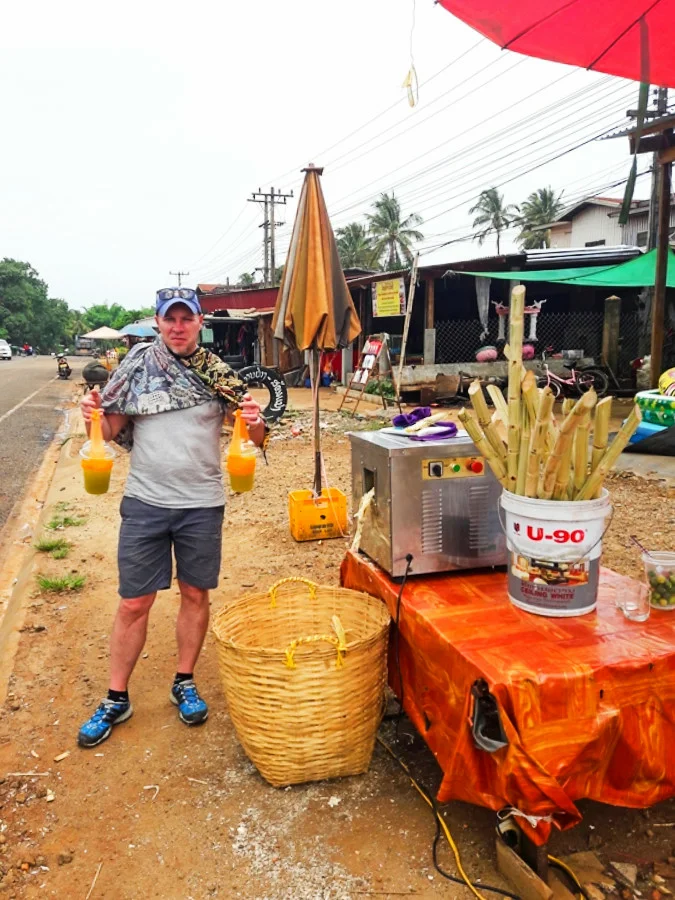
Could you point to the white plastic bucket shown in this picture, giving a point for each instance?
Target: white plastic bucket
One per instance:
(554, 552)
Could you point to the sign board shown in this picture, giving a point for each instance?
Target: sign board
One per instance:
(389, 297)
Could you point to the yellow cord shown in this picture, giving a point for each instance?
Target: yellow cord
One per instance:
(566, 868)
(450, 840)
(445, 828)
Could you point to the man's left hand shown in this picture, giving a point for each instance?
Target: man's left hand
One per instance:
(250, 411)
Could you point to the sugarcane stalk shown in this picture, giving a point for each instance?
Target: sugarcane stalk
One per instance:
(603, 413)
(563, 446)
(499, 403)
(500, 426)
(581, 452)
(567, 406)
(473, 430)
(537, 441)
(564, 472)
(516, 323)
(528, 386)
(593, 484)
(523, 451)
(477, 399)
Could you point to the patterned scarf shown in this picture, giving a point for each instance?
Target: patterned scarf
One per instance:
(150, 380)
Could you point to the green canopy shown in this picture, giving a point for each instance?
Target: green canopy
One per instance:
(636, 273)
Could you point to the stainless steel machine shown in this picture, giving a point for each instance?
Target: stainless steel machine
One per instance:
(436, 500)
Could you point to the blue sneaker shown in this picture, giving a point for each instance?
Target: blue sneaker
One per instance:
(191, 708)
(98, 728)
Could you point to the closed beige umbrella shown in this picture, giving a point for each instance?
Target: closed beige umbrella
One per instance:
(314, 309)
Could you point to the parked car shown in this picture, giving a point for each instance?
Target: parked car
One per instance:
(5, 351)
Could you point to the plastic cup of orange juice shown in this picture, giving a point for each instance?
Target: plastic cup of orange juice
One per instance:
(241, 469)
(241, 456)
(97, 469)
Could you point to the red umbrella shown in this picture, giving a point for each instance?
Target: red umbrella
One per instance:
(630, 38)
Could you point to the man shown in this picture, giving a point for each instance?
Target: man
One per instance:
(166, 403)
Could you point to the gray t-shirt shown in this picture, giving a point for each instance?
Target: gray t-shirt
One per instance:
(176, 458)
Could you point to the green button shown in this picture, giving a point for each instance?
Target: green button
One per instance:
(456, 468)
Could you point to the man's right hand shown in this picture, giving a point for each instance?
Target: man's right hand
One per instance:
(90, 401)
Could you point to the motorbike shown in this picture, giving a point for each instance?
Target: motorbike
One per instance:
(63, 367)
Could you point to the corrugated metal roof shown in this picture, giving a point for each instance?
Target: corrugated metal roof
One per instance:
(655, 126)
(590, 255)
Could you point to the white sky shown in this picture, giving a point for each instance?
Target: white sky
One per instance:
(133, 133)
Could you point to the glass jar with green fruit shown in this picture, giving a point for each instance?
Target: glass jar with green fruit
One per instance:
(660, 569)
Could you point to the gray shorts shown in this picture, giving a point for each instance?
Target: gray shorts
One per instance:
(147, 534)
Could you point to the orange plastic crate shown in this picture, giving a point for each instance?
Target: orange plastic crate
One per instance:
(315, 518)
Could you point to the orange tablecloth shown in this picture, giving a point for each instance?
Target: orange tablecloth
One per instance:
(587, 703)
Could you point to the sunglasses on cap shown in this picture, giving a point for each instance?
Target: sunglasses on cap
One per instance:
(177, 293)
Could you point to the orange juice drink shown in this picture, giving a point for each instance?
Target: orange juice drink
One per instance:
(241, 457)
(96, 475)
(96, 458)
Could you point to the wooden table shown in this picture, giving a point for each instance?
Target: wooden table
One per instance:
(587, 703)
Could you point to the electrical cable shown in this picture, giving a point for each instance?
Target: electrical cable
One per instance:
(500, 133)
(499, 155)
(332, 162)
(440, 823)
(379, 115)
(426, 795)
(397, 639)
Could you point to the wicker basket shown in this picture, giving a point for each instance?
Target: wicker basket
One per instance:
(304, 678)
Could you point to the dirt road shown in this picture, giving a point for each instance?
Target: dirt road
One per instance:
(31, 399)
(163, 811)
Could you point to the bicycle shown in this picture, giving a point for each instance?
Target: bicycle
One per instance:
(580, 380)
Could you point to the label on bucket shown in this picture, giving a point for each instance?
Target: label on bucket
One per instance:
(553, 588)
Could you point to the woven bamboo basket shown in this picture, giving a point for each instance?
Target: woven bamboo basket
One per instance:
(304, 673)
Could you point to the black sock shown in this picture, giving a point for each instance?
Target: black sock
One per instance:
(182, 676)
(118, 696)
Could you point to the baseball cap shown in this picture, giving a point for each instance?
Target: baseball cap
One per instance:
(168, 297)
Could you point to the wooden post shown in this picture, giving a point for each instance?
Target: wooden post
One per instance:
(429, 330)
(406, 325)
(430, 285)
(610, 332)
(662, 254)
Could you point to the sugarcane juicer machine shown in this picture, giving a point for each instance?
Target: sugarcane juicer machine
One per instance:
(436, 500)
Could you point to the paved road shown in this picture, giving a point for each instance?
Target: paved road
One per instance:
(30, 415)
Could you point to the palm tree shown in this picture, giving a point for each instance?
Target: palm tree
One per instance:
(392, 236)
(354, 246)
(540, 208)
(492, 215)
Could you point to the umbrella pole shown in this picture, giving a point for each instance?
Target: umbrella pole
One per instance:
(314, 380)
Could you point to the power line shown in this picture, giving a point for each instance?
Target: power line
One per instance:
(530, 122)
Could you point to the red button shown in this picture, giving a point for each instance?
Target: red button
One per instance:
(476, 466)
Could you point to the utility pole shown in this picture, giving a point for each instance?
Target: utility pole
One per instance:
(269, 201)
(653, 222)
(179, 275)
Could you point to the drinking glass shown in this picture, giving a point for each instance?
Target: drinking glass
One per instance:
(633, 601)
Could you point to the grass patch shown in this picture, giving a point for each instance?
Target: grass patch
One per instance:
(61, 552)
(65, 522)
(61, 506)
(59, 585)
(58, 547)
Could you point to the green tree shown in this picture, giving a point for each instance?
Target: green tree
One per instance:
(540, 208)
(27, 313)
(392, 235)
(492, 215)
(355, 246)
(113, 315)
(246, 279)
